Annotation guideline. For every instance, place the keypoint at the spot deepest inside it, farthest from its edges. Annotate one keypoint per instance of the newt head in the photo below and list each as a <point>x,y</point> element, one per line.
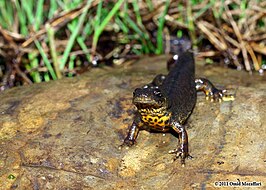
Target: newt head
<point>149,97</point>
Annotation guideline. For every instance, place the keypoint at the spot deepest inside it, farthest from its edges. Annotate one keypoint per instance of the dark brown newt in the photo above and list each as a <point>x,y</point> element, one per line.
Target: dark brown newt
<point>167,102</point>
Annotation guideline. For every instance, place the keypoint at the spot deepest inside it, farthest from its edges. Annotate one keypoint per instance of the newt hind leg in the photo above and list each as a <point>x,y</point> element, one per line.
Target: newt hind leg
<point>211,91</point>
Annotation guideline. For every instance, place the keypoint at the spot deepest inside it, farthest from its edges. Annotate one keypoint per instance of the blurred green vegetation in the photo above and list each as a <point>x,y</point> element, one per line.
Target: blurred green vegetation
<point>46,40</point>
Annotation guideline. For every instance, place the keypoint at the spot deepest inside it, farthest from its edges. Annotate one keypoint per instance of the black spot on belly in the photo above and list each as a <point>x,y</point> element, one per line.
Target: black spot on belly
<point>155,120</point>
<point>158,126</point>
<point>160,122</point>
<point>150,119</point>
<point>166,121</point>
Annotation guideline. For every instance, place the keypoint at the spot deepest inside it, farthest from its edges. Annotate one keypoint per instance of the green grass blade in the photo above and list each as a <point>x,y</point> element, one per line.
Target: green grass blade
<point>45,59</point>
<point>29,11</point>
<point>217,14</point>
<point>150,48</point>
<point>191,26</point>
<point>50,32</point>
<point>121,25</point>
<point>39,15</point>
<point>52,9</point>
<point>203,10</point>
<point>137,13</point>
<point>33,67</point>
<point>87,30</point>
<point>100,29</point>
<point>139,35</point>
<point>62,5</point>
<point>46,77</point>
<point>150,5</point>
<point>6,15</point>
<point>133,25</point>
<point>84,47</point>
<point>22,18</point>
<point>71,65</point>
<point>73,25</point>
<point>243,8</point>
<point>98,15</point>
<point>159,49</point>
<point>81,39</point>
<point>74,35</point>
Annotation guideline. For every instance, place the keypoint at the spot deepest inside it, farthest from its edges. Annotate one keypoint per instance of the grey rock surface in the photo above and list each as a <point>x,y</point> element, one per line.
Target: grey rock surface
<point>65,134</point>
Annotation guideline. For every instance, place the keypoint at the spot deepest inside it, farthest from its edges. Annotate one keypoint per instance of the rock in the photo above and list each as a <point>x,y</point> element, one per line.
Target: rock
<point>65,134</point>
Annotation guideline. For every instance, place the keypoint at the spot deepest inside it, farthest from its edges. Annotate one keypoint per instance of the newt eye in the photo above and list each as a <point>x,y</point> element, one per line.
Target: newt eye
<point>157,93</point>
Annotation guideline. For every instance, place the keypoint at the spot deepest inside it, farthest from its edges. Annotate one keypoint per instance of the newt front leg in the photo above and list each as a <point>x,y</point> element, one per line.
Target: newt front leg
<point>182,151</point>
<point>133,132</point>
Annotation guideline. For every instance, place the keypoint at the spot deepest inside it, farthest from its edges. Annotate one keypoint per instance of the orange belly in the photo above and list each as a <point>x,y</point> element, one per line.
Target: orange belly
<point>157,122</point>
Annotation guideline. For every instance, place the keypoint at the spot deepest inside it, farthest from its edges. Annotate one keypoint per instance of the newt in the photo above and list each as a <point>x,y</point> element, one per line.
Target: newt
<point>166,103</point>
